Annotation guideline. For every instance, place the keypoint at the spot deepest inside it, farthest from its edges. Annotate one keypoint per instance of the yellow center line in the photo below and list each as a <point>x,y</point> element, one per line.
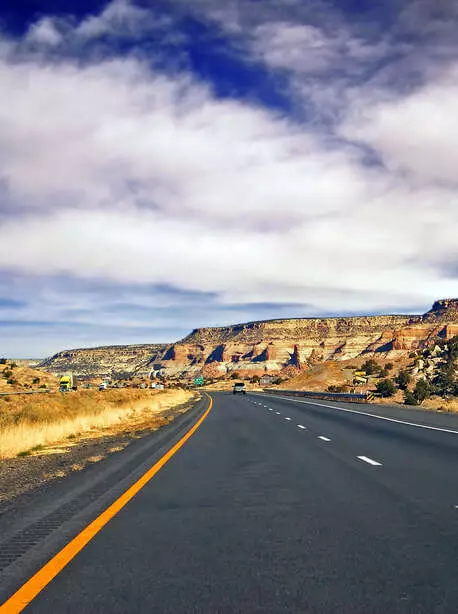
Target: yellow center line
<point>28,591</point>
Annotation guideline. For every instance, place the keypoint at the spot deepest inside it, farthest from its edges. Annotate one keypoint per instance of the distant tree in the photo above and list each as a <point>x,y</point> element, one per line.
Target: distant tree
<point>255,379</point>
<point>409,398</point>
<point>7,373</point>
<point>3,361</point>
<point>370,367</point>
<point>336,388</point>
<point>403,379</point>
<point>11,381</point>
<point>235,376</point>
<point>13,365</point>
<point>422,391</point>
<point>389,366</point>
<point>386,388</point>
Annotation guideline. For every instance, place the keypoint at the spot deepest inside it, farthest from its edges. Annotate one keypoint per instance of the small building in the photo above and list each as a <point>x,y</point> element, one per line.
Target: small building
<point>266,380</point>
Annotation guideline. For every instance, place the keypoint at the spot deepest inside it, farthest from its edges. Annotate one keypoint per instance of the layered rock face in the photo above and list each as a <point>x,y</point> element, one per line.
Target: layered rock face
<point>108,361</point>
<point>272,346</point>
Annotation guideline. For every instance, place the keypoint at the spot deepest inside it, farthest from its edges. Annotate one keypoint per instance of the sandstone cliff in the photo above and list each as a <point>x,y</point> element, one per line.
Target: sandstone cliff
<point>108,361</point>
<point>270,346</point>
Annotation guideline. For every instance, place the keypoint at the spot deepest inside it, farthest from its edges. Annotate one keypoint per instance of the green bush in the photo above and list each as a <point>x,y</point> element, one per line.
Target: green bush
<point>7,373</point>
<point>422,391</point>
<point>403,380</point>
<point>36,380</point>
<point>370,367</point>
<point>11,381</point>
<point>409,398</point>
<point>386,388</point>
<point>334,388</point>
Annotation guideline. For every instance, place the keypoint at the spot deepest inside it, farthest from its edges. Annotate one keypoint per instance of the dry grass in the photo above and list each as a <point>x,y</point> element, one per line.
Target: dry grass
<point>26,378</point>
<point>30,421</point>
<point>440,404</point>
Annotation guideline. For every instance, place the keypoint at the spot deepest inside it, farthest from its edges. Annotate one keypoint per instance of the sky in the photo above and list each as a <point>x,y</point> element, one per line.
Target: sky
<point>174,164</point>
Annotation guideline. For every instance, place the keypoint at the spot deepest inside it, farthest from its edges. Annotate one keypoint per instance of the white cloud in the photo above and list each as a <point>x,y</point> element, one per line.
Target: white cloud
<point>414,134</point>
<point>44,32</point>
<point>121,173</point>
<point>311,50</point>
<point>119,18</point>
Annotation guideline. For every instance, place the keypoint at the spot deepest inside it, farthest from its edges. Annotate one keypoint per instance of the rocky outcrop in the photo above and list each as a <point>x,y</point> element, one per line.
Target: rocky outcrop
<point>108,361</point>
<point>270,346</point>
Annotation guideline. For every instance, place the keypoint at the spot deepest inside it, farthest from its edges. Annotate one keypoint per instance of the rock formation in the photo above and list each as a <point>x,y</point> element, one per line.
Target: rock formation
<point>272,346</point>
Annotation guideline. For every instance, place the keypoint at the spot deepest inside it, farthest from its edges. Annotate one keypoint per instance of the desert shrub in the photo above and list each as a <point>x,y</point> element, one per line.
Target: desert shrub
<point>422,391</point>
<point>36,380</point>
<point>370,367</point>
<point>403,379</point>
<point>386,388</point>
<point>409,398</point>
<point>335,388</point>
<point>11,381</point>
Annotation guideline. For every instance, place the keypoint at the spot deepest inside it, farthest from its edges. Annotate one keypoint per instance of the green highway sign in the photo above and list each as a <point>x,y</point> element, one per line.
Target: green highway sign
<point>199,381</point>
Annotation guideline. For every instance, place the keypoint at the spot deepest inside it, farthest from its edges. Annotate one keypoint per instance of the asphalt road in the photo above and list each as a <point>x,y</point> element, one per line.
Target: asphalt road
<point>275,505</point>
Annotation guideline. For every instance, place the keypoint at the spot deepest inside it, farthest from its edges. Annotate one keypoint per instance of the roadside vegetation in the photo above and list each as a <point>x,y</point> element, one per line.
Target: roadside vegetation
<point>27,423</point>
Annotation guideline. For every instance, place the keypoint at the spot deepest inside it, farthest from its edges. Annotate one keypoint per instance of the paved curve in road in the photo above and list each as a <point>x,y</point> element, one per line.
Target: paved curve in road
<point>276,505</point>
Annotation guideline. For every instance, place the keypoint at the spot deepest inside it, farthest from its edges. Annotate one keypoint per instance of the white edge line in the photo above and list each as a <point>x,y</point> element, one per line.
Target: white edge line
<point>363,413</point>
<point>370,461</point>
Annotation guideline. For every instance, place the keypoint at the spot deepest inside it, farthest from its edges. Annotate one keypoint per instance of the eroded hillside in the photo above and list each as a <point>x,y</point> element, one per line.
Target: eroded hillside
<point>275,346</point>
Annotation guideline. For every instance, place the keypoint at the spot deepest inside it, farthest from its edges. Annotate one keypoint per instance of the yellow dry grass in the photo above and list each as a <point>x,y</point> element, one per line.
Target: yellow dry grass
<point>25,378</point>
<point>30,421</point>
<point>440,404</point>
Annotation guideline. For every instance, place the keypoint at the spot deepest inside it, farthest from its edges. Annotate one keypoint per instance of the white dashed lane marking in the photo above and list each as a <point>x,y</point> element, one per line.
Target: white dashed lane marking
<point>370,461</point>
<point>287,418</point>
<point>324,438</point>
<point>278,413</point>
<point>301,426</point>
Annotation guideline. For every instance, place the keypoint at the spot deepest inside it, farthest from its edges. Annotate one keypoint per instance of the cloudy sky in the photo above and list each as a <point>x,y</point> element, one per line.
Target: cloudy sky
<point>172,164</point>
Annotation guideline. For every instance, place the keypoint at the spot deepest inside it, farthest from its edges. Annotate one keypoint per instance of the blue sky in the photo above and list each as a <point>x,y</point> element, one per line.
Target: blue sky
<point>170,165</point>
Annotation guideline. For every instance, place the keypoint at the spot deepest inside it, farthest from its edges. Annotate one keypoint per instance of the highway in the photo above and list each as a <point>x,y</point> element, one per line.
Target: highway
<point>271,505</point>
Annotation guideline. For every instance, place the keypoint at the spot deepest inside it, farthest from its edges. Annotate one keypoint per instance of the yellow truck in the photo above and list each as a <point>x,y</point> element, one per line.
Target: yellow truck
<point>67,382</point>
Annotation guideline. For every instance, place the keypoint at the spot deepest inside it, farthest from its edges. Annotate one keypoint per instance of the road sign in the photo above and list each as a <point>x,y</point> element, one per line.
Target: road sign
<point>199,381</point>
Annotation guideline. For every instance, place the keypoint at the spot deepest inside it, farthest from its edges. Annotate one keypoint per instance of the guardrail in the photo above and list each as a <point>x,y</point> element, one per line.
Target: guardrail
<point>7,394</point>
<point>329,396</point>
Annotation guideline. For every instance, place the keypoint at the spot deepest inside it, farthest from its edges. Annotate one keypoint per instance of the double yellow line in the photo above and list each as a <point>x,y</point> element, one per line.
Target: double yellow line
<point>28,591</point>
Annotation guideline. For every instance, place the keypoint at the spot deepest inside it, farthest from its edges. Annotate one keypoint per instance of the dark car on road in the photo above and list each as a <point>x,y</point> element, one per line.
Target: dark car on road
<point>239,387</point>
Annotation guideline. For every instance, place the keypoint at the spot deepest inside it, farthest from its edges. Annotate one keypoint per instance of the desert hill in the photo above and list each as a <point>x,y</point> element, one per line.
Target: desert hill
<point>286,346</point>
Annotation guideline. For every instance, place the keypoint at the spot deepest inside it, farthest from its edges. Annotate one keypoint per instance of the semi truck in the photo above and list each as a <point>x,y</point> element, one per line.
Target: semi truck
<point>67,382</point>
